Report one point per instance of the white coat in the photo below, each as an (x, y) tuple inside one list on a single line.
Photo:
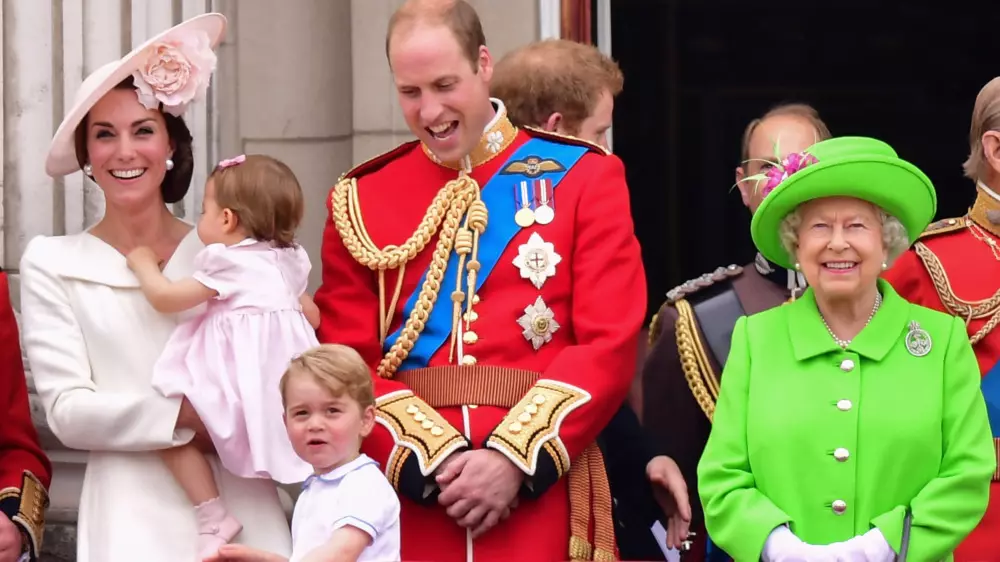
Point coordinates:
[(91, 339)]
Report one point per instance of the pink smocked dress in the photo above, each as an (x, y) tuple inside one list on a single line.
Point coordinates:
[(229, 360)]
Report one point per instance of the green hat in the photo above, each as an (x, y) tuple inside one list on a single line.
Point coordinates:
[(860, 167)]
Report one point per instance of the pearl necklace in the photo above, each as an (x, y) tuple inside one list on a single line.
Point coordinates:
[(844, 343)]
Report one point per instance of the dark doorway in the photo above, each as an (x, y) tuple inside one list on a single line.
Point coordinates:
[(697, 72)]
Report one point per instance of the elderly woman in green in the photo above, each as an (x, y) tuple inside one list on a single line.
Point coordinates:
[(850, 414)]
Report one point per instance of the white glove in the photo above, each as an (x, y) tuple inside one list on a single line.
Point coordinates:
[(783, 546), (869, 547)]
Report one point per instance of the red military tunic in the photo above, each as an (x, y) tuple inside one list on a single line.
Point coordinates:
[(25, 471), (542, 408), (953, 269)]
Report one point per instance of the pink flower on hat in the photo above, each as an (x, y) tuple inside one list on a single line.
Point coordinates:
[(791, 164), (175, 73)]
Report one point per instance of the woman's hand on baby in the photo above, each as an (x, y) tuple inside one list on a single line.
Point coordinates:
[(142, 257)]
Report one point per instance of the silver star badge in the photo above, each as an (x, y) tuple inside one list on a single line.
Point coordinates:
[(537, 260), (538, 323)]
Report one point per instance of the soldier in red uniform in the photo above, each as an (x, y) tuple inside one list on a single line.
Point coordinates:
[(955, 267), (25, 471), (569, 88), (491, 277)]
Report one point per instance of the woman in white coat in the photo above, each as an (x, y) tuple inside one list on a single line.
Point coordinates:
[(90, 335)]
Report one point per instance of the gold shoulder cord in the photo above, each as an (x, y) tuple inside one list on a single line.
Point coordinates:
[(970, 310), (459, 197), (698, 370)]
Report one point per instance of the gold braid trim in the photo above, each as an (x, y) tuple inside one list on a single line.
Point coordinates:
[(458, 198), (970, 310), (698, 372), (31, 513), (535, 421), (996, 449), (418, 427)]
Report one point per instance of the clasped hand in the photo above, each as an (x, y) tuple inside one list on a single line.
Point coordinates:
[(478, 488), (783, 546), (10, 540)]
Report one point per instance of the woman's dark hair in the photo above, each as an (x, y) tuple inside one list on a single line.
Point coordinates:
[(176, 181)]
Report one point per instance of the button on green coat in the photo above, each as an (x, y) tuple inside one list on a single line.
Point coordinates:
[(836, 442)]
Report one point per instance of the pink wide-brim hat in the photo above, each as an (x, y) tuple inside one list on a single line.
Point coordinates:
[(61, 159)]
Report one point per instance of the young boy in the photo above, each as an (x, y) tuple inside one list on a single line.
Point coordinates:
[(347, 510)]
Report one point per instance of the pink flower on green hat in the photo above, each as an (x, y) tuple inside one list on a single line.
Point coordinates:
[(788, 166), (175, 73)]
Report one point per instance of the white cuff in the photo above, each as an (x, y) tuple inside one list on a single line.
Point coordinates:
[(869, 547), (780, 541), (875, 547)]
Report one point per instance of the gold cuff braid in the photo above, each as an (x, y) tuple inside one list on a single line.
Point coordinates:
[(698, 372), (416, 426), (534, 422), (34, 499)]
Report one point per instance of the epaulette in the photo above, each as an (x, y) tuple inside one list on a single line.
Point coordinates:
[(692, 286), (377, 162), (566, 139), (688, 288), (943, 226)]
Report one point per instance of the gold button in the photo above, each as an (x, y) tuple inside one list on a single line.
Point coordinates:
[(844, 405), (540, 325), (531, 409), (436, 431), (468, 360), (470, 316), (475, 299), (524, 418), (847, 365), (839, 507), (514, 427), (420, 416), (427, 424), (470, 338), (539, 399), (841, 454), (411, 409)]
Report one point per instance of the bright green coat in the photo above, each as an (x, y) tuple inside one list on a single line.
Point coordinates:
[(915, 430)]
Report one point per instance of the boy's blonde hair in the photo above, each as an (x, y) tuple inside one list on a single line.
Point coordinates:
[(338, 368), (264, 195)]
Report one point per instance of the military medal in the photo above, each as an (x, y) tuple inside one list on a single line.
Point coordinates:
[(537, 260), (544, 213), (538, 323), (524, 217), (918, 341)]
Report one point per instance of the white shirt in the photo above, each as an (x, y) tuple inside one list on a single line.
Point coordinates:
[(355, 494)]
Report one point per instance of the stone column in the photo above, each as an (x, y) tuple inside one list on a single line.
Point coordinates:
[(292, 97), (27, 103)]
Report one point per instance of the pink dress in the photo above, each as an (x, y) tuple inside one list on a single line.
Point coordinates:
[(228, 361)]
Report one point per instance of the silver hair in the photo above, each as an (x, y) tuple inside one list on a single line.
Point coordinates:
[(894, 236)]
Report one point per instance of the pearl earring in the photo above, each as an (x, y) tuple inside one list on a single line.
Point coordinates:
[(88, 169), (797, 266), (885, 266), (170, 164)]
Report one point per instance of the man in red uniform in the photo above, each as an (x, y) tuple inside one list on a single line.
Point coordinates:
[(492, 279), (955, 267), (25, 471), (569, 88)]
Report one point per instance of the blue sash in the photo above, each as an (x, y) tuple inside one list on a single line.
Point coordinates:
[(499, 195), (991, 392)]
